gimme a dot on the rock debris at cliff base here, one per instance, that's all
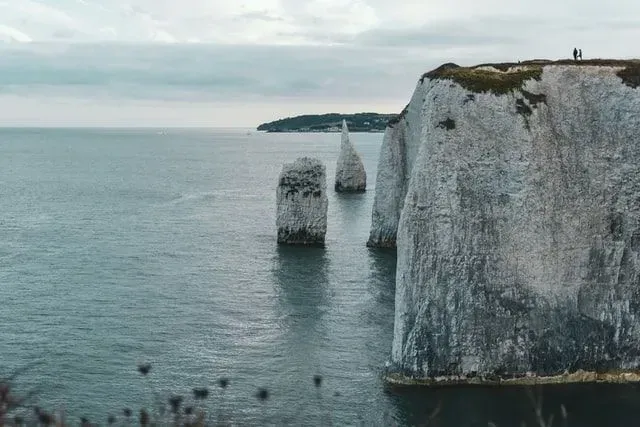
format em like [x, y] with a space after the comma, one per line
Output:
[528, 379]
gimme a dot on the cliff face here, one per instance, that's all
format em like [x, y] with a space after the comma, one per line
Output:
[519, 236]
[302, 202]
[350, 173]
[398, 153]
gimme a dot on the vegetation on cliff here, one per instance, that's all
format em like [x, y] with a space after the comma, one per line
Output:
[331, 122]
[508, 76]
[478, 80]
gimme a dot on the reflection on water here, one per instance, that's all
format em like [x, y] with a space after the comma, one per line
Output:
[301, 284]
[352, 208]
[382, 278]
[586, 405]
[301, 281]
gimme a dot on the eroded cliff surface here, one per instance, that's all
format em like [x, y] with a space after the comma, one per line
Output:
[397, 154]
[519, 235]
[302, 203]
[350, 174]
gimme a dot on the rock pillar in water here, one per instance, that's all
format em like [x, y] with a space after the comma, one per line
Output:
[350, 173]
[302, 203]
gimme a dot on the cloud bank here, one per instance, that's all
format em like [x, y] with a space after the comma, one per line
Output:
[209, 62]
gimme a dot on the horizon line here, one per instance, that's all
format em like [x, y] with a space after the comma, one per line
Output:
[122, 127]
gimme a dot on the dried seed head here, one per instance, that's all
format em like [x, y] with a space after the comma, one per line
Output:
[175, 402]
[144, 417]
[262, 394]
[200, 393]
[144, 368]
[44, 418]
[317, 380]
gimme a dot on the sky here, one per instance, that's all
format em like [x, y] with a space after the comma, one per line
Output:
[221, 63]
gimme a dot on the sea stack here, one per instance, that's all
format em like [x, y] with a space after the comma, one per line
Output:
[350, 174]
[302, 203]
[518, 235]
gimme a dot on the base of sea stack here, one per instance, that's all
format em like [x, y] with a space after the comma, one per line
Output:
[342, 189]
[301, 238]
[383, 244]
[530, 378]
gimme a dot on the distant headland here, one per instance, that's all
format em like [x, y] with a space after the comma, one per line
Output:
[331, 122]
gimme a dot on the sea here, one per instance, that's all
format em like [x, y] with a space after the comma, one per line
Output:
[121, 248]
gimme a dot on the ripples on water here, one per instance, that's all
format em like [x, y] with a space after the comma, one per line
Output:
[122, 246]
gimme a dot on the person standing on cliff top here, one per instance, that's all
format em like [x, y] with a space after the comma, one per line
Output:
[580, 54]
[575, 54]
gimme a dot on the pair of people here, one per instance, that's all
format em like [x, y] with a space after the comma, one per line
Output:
[577, 54]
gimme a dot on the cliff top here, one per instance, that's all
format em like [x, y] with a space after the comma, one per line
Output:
[501, 78]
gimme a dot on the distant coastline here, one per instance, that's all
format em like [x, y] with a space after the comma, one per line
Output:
[331, 122]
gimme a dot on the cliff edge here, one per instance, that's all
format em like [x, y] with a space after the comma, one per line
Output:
[515, 193]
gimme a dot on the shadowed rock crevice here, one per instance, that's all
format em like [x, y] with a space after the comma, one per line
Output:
[534, 98]
[395, 120]
[448, 124]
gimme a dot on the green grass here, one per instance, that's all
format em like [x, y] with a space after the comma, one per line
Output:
[478, 81]
[509, 78]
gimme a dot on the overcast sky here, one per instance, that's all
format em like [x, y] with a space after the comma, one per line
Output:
[224, 63]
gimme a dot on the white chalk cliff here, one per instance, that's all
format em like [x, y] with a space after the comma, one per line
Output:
[302, 202]
[350, 173]
[515, 192]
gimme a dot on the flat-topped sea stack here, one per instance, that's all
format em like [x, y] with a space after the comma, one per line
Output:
[515, 193]
[302, 203]
[350, 174]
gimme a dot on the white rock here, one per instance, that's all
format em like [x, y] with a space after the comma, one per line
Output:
[350, 173]
[302, 202]
[398, 153]
[519, 236]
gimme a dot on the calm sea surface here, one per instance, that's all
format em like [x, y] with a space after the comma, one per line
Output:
[119, 247]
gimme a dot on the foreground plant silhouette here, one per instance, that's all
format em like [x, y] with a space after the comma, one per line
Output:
[176, 410]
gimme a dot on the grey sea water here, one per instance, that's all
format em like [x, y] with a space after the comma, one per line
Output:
[122, 246]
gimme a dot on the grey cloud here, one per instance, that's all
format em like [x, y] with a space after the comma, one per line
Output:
[427, 37]
[260, 16]
[216, 72]
[505, 36]
[64, 34]
[488, 31]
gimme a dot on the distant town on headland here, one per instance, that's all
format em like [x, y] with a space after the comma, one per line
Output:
[331, 122]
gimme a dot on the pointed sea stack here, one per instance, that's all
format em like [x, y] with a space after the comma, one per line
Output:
[302, 203]
[350, 174]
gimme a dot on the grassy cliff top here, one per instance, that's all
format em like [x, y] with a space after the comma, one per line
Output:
[512, 75]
